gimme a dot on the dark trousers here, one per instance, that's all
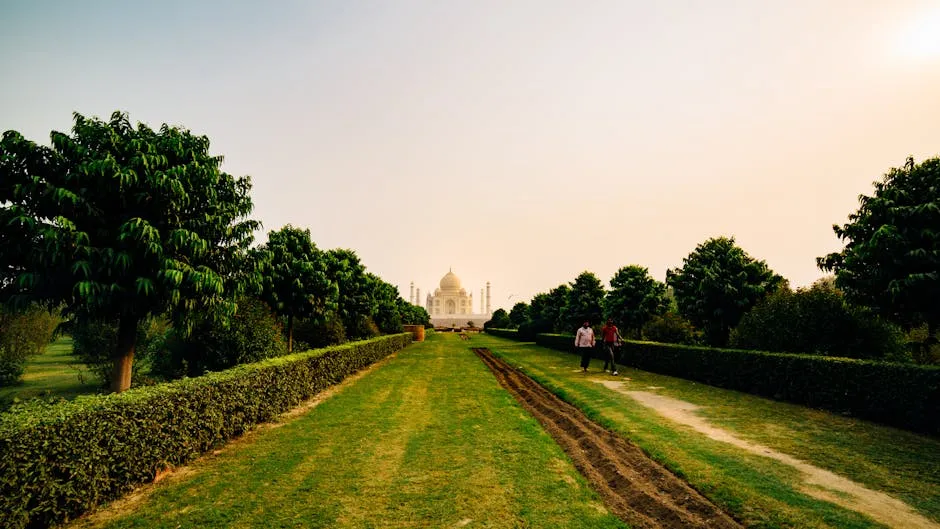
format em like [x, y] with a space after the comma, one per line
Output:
[610, 352]
[585, 356]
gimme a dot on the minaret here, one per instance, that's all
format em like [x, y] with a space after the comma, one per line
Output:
[418, 297]
[481, 302]
[488, 306]
[411, 294]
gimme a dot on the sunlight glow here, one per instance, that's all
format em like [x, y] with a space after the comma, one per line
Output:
[921, 38]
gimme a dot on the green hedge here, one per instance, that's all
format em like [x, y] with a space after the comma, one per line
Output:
[512, 334]
[58, 461]
[903, 395]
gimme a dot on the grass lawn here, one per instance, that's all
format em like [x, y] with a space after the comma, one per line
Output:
[55, 373]
[758, 490]
[428, 439]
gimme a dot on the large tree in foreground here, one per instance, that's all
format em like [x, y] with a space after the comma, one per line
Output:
[128, 222]
[295, 278]
[634, 298]
[891, 259]
[717, 284]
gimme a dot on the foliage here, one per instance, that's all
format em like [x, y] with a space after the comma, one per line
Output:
[64, 459]
[295, 278]
[505, 333]
[891, 260]
[499, 320]
[413, 314]
[385, 304]
[319, 333]
[128, 222]
[355, 305]
[903, 395]
[717, 284]
[817, 320]
[94, 340]
[634, 299]
[23, 333]
[519, 314]
[214, 344]
[585, 302]
[671, 327]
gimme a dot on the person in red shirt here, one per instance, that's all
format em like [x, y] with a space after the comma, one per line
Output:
[612, 340]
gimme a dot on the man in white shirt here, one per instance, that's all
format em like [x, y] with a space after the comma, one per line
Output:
[584, 344]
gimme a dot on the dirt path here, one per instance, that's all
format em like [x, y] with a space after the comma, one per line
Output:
[633, 486]
[818, 482]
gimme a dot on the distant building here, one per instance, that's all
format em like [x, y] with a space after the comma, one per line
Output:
[451, 305]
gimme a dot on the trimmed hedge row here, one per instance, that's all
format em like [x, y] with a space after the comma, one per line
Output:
[512, 334]
[57, 461]
[903, 395]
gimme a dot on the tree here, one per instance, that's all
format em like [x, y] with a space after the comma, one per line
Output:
[585, 301]
[499, 320]
[519, 314]
[128, 222]
[556, 306]
[891, 260]
[413, 314]
[355, 305]
[385, 302]
[817, 320]
[717, 284]
[295, 281]
[634, 298]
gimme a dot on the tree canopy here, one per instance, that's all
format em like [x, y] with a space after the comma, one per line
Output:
[634, 298]
[124, 222]
[891, 259]
[519, 314]
[585, 301]
[296, 280]
[717, 283]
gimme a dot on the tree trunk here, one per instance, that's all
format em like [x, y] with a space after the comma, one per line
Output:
[290, 333]
[124, 355]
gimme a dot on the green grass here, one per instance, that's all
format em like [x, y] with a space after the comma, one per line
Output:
[53, 373]
[760, 491]
[428, 439]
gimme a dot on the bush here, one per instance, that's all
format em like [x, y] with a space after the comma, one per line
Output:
[61, 460]
[512, 334]
[313, 334]
[671, 328]
[23, 333]
[218, 343]
[818, 321]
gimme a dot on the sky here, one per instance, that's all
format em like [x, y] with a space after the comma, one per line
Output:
[517, 142]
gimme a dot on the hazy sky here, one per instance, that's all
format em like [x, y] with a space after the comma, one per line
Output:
[520, 142]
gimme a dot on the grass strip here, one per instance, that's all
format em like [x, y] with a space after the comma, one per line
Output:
[56, 372]
[760, 491]
[429, 439]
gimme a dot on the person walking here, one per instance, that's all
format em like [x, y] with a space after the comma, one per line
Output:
[612, 341]
[584, 344]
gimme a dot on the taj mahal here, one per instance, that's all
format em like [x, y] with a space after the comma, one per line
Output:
[451, 306]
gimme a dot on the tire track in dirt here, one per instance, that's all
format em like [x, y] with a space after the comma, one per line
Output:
[634, 487]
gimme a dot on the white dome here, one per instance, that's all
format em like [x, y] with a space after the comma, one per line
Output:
[450, 281]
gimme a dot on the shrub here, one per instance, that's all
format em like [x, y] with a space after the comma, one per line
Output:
[61, 460]
[818, 321]
[671, 328]
[218, 343]
[314, 334]
[512, 334]
[23, 333]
